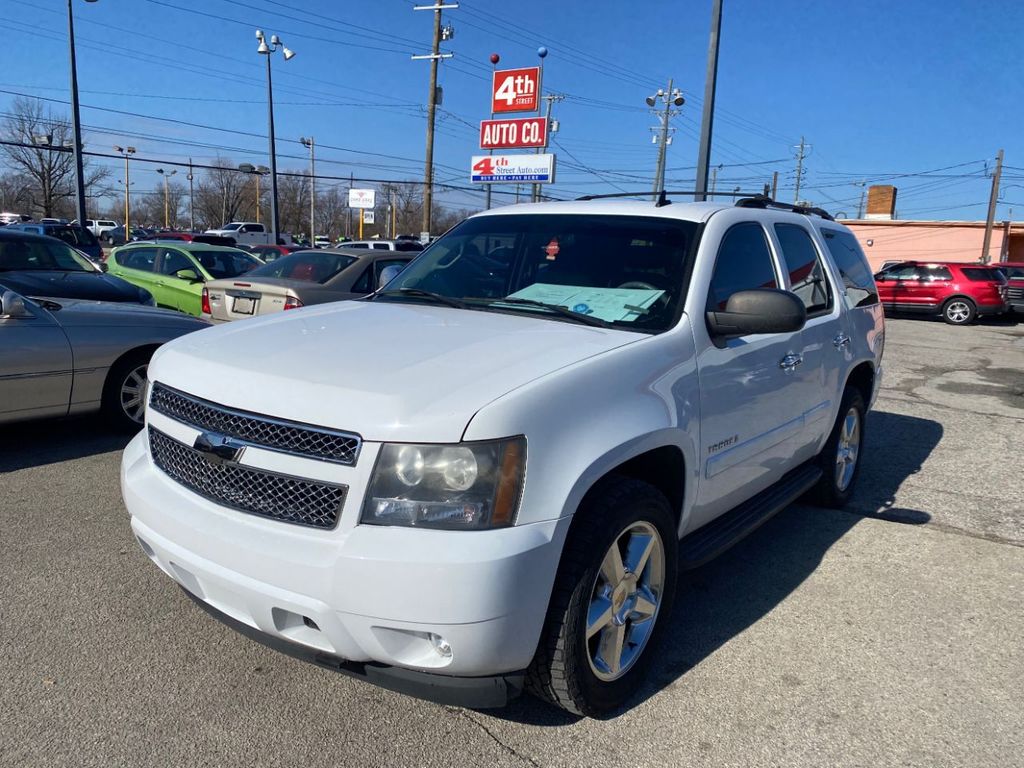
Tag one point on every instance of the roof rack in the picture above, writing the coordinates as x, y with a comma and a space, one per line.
662, 196
763, 201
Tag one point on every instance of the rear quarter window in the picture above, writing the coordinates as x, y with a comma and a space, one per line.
854, 273
981, 274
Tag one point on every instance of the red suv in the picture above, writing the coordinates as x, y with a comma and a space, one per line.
959, 292
1014, 271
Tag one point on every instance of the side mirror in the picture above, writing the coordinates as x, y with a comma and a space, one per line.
104, 266
188, 274
13, 306
388, 274
761, 310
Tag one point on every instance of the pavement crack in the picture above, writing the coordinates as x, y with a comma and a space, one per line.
526, 759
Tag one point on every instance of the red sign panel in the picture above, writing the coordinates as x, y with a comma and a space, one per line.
517, 133
516, 90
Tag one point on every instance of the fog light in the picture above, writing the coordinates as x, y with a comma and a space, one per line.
440, 645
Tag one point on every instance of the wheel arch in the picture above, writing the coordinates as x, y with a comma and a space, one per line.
147, 349
862, 376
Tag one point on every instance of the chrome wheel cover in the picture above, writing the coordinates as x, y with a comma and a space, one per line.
133, 393
958, 311
848, 449
624, 600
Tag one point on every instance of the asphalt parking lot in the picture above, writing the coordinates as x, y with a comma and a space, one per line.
886, 634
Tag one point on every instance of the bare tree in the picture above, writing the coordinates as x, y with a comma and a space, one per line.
148, 210
39, 152
223, 195
293, 203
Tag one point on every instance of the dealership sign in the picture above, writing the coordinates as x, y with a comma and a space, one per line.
361, 198
515, 90
515, 133
538, 169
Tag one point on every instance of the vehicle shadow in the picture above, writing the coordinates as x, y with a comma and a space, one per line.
38, 443
720, 600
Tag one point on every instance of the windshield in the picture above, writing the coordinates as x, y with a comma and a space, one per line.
41, 255
231, 227
312, 266
623, 270
76, 236
221, 264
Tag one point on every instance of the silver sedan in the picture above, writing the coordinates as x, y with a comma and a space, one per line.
69, 356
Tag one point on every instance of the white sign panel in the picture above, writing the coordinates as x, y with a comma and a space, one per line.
367, 217
362, 198
487, 169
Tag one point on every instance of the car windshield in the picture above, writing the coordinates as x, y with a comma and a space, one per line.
76, 236
231, 227
626, 271
222, 264
312, 266
39, 255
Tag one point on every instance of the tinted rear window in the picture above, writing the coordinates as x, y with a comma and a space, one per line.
858, 282
221, 264
76, 236
982, 274
314, 266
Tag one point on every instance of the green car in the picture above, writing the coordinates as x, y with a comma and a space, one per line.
175, 273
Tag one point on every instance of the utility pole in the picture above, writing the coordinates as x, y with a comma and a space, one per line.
312, 182
800, 155
993, 197
551, 98
672, 98
775, 184
76, 127
435, 54
714, 178
191, 199
863, 191
494, 59
708, 116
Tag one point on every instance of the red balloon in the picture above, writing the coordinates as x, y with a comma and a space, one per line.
495, 58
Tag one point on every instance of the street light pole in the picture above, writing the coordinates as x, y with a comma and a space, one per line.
191, 199
127, 152
76, 122
266, 50
166, 175
672, 97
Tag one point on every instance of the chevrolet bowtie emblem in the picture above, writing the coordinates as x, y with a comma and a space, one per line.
219, 449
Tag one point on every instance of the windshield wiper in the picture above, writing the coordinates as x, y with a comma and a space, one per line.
563, 311
420, 293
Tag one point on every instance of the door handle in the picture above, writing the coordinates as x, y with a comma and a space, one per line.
840, 340
789, 362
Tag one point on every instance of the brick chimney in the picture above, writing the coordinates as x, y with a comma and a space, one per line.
881, 201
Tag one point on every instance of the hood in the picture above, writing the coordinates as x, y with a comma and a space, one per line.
79, 313
96, 286
387, 371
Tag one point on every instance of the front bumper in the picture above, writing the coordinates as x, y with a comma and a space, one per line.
358, 598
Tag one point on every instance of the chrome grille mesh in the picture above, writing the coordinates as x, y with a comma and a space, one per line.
257, 491
261, 431
1015, 293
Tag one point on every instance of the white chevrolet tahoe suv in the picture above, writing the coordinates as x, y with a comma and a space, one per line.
487, 475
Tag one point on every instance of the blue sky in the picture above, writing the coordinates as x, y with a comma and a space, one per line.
914, 93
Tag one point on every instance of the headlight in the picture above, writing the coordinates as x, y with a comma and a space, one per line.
465, 487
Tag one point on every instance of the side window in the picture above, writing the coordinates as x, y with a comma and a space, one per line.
172, 261
380, 246
365, 282
854, 272
357, 245
142, 259
905, 272
931, 274
807, 277
743, 262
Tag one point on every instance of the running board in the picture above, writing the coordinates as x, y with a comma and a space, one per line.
712, 539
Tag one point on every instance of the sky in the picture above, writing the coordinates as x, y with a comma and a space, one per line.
919, 94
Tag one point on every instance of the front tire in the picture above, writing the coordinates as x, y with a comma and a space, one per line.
614, 589
959, 311
840, 458
124, 393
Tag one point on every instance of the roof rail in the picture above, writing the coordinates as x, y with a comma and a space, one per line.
662, 196
763, 201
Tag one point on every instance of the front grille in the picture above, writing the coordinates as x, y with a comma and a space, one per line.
262, 431
1015, 293
257, 491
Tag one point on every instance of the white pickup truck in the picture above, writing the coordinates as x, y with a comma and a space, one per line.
249, 233
488, 474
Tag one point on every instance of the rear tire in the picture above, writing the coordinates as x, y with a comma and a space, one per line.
124, 392
959, 311
596, 643
840, 460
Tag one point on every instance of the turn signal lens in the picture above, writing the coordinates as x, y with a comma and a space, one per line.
292, 302
206, 302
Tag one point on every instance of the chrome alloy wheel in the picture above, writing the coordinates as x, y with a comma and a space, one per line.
133, 393
847, 449
625, 600
958, 312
